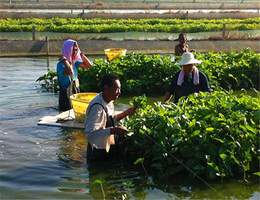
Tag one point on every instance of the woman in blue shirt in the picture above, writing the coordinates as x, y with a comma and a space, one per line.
67, 70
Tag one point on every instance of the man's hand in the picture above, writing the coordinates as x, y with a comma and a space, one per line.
118, 130
130, 111
127, 112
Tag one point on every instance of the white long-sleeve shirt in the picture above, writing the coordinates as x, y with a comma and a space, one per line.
95, 124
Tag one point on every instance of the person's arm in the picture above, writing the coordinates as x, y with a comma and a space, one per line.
127, 112
68, 70
177, 51
167, 97
118, 130
187, 48
171, 89
86, 62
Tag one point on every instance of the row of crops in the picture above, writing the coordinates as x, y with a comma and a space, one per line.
126, 25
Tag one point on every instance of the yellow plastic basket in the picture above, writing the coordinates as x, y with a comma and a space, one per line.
80, 103
112, 54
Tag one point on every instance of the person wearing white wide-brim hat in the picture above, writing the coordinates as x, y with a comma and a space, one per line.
188, 80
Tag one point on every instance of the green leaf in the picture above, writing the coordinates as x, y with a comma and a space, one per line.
250, 129
99, 181
212, 174
210, 129
223, 156
157, 165
139, 160
199, 167
195, 133
235, 159
256, 173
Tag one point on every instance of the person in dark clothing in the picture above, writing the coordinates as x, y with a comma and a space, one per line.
188, 80
67, 71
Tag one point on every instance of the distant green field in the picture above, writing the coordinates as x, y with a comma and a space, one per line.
126, 25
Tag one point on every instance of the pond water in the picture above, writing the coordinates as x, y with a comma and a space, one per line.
49, 162
123, 35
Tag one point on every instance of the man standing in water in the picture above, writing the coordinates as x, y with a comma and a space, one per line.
101, 121
188, 80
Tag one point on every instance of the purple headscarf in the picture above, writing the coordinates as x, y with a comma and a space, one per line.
67, 50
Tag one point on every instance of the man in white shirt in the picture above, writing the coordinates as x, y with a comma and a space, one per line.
101, 121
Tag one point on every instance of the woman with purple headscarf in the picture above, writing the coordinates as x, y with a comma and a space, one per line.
67, 70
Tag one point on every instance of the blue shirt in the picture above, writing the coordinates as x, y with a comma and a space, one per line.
65, 80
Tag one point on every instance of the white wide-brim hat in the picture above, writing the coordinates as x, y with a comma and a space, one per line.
188, 58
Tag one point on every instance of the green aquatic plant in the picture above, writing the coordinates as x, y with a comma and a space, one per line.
210, 135
49, 81
141, 161
139, 102
144, 74
101, 181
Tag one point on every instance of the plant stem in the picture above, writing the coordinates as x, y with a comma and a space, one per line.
144, 169
104, 195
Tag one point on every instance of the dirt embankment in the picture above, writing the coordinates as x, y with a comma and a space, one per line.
170, 15
145, 6
96, 47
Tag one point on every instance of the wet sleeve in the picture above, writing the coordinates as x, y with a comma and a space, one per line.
95, 129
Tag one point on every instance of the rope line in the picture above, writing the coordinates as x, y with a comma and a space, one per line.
185, 166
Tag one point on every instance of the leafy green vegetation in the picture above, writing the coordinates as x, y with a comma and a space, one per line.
210, 135
139, 102
49, 81
144, 74
126, 25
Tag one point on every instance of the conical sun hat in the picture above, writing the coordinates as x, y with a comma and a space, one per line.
188, 58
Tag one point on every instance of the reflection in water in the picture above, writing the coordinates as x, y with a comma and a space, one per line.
48, 63
72, 155
125, 180
72, 149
